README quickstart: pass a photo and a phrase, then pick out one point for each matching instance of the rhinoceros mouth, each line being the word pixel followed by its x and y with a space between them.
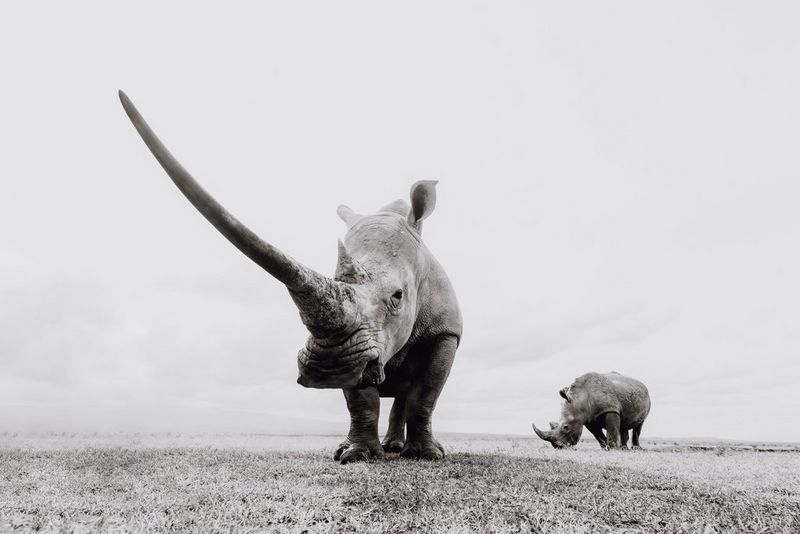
pixel 352 361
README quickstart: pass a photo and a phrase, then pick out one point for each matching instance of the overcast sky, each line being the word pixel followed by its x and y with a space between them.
pixel 618 190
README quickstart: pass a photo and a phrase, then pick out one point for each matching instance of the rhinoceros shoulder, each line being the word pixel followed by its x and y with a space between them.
pixel 439 312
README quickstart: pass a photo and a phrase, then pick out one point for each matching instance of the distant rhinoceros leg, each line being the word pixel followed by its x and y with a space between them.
pixel 635 439
pixel 396 435
pixel 597 431
pixel 611 422
pixel 421 401
pixel 362 441
pixel 623 435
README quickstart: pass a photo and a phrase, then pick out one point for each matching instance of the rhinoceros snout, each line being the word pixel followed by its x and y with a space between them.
pixel 312 375
pixel 373 374
pixel 366 375
pixel 349 380
pixel 352 360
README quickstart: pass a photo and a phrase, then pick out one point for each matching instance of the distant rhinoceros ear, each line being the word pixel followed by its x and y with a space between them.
pixel 553 425
pixel 347 215
pixel 565 393
pixel 423 200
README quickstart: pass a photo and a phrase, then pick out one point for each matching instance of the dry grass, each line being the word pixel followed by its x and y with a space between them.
pixel 257 483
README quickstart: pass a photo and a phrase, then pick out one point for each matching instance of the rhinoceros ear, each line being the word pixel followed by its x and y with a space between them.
pixel 423 200
pixel 347 215
pixel 565 393
pixel 553 425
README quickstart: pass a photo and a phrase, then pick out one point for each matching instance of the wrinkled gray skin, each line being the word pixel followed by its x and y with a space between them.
pixel 387 324
pixel 599 401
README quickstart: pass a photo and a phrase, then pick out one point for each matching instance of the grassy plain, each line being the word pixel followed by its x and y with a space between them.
pixel 252 482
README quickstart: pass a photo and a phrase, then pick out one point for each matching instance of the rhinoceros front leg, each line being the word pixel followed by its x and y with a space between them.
pixel 362 441
pixel 597 431
pixel 396 435
pixel 611 422
pixel 421 401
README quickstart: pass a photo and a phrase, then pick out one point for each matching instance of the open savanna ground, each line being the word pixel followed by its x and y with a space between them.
pixel 232 482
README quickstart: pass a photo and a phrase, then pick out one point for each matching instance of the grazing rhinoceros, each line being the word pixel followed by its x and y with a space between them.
pixel 387 324
pixel 611 401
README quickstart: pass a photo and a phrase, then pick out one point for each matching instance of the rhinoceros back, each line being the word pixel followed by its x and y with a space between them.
pixel 633 397
pixel 600 393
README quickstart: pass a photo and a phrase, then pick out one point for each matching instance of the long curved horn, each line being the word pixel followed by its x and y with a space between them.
pixel 325 305
pixel 293 274
pixel 545 435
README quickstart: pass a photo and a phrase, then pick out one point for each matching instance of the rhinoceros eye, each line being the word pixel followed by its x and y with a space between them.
pixel 397 296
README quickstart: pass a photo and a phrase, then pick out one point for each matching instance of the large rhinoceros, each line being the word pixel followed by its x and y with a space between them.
pixel 600 401
pixel 387 324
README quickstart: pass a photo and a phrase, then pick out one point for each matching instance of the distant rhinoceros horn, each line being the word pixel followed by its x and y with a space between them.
pixel 326 306
pixel 546 435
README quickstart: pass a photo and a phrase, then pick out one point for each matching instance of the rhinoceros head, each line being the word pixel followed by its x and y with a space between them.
pixel 381 262
pixel 359 318
pixel 567 432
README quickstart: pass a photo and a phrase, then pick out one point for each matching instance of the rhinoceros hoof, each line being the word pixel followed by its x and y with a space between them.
pixel 393 445
pixel 357 452
pixel 422 450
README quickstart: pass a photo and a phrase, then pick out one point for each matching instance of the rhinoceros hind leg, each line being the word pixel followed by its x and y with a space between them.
pixel 396 435
pixel 422 397
pixel 423 450
pixel 392 445
pixel 362 441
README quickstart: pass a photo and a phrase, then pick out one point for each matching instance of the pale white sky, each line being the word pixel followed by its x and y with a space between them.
pixel 618 191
